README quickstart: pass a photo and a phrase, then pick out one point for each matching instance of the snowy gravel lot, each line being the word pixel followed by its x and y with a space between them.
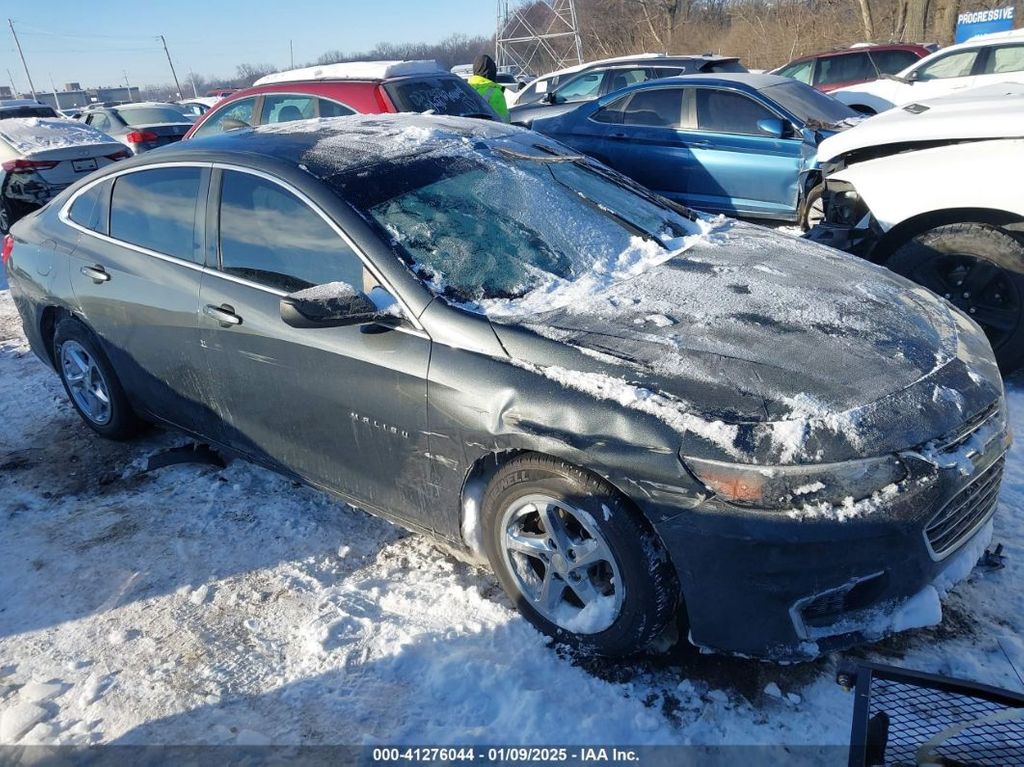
pixel 197 605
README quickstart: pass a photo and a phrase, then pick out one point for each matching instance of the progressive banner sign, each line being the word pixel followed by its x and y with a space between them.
pixel 971 23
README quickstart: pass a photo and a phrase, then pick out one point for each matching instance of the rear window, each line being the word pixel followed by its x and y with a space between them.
pixel 442 95
pixel 723 66
pixel 90 208
pixel 29 111
pixel 151 115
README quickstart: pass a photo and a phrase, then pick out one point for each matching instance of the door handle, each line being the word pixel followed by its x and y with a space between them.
pixel 224 314
pixel 618 136
pixel 96 273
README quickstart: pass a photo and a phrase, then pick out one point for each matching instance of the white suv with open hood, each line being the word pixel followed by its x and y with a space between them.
pixel 932 191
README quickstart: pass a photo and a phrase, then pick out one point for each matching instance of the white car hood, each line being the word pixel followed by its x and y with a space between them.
pixel 994 111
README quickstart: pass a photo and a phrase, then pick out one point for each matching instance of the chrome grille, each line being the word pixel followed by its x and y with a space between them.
pixel 964 432
pixel 965 512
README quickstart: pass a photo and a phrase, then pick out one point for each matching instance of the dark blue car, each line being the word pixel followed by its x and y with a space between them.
pixel 740 144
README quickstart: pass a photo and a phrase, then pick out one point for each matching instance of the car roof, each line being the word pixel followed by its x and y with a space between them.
pixel 355 70
pixel 749 80
pixel 860 48
pixel 636 58
pixel 14 103
pixel 327 146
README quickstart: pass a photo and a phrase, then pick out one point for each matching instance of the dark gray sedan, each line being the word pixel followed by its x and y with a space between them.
pixel 636 416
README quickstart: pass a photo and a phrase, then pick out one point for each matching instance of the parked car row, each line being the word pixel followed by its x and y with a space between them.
pixel 640 419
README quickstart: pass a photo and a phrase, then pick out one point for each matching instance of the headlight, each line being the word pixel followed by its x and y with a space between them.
pixel 842 203
pixel 788 487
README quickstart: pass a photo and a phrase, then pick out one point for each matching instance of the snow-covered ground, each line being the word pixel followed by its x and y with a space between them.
pixel 192 604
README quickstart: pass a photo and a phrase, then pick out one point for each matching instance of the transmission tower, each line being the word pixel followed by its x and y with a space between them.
pixel 537 36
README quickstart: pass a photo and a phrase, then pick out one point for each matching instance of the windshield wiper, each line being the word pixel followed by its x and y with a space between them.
pixel 513 154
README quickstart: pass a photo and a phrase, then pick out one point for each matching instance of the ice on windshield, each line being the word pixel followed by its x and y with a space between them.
pixel 516 234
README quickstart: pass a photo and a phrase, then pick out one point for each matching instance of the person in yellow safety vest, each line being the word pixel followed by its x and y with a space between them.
pixel 482 81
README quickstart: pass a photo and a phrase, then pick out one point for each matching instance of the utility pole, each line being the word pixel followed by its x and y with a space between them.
pixel 56 99
pixel 14 90
pixel 128 85
pixel 31 87
pixel 177 86
pixel 291 53
pixel 192 77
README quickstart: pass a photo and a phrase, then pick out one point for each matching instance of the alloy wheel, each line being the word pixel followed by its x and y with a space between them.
pixel 562 564
pixel 979 288
pixel 86 383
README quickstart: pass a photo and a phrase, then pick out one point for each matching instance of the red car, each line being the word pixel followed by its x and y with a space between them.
pixel 858 64
pixel 334 90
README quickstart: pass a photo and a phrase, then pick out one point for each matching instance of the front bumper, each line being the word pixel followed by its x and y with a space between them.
pixel 790 585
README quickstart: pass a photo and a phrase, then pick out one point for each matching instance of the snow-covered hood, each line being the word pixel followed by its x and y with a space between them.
pixel 31 136
pixel 789 340
pixel 948 118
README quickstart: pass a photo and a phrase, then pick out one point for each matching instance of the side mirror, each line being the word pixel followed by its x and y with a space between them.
pixel 550 98
pixel 335 304
pixel 912 77
pixel 772 126
pixel 233 123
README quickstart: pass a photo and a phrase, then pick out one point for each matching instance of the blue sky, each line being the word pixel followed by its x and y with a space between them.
pixel 93 42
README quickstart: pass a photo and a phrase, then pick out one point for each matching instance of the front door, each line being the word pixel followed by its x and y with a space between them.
pixel 739 169
pixel 344 407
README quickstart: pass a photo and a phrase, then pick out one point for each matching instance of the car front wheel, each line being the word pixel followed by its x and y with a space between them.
pixel 90 382
pixel 578 561
pixel 980 269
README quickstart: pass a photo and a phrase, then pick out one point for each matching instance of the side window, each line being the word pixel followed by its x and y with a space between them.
pixel 891 62
pixel 156 209
pixel 669 72
pixel 801 71
pixel 728 112
pixel 656 108
pixel 90 209
pixel 269 236
pixel 285 108
pixel 333 109
pixel 622 78
pixel 582 88
pixel 1008 58
pixel 845 68
pixel 612 113
pixel 99 121
pixel 228 117
pixel 958 64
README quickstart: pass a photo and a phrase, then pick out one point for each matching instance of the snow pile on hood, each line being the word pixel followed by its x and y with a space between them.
pixel 29 135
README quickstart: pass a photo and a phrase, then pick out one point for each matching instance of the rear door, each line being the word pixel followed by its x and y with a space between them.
pixel 1000 64
pixel 344 408
pixel 135 274
pixel 739 169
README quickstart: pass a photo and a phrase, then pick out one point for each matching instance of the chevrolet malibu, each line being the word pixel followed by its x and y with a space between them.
pixel 641 419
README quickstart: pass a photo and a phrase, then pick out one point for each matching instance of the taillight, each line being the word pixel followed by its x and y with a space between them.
pixel 29 166
pixel 140 137
pixel 5 254
pixel 124 154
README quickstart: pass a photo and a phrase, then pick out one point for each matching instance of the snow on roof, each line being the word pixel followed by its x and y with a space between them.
pixel 943 118
pixel 354 70
pixel 31 135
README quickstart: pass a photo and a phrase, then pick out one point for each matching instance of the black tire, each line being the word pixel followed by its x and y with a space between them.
pixel 980 269
pixel 813 199
pixel 120 422
pixel 650 592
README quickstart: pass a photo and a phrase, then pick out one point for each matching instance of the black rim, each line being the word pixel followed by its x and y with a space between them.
pixel 979 288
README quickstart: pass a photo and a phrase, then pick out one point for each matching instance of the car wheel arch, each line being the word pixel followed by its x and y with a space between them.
pixel 486 466
pixel 49 318
pixel 906 230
